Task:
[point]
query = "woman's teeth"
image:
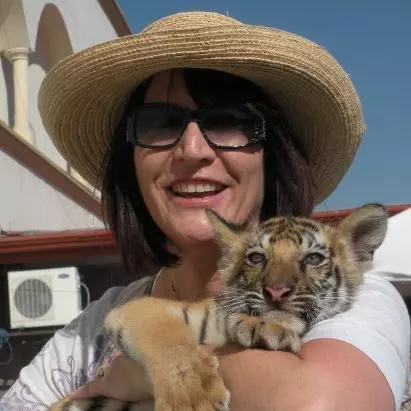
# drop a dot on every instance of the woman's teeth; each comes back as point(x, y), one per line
point(196, 188)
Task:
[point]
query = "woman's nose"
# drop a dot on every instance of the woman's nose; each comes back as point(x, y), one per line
point(193, 146)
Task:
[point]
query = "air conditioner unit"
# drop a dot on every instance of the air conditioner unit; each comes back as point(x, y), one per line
point(43, 298)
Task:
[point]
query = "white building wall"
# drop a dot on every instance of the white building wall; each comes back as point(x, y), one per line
point(41, 139)
point(85, 24)
point(85, 20)
point(52, 30)
point(28, 203)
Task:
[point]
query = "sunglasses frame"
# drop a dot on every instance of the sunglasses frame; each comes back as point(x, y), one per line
point(259, 134)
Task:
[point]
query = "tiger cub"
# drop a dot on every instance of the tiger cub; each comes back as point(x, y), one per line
point(280, 279)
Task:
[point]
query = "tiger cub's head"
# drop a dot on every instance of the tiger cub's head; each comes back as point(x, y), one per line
point(297, 264)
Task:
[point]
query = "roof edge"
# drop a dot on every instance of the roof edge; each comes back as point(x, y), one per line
point(17, 248)
point(59, 246)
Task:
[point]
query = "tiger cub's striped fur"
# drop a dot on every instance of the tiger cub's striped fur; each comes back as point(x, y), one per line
point(280, 278)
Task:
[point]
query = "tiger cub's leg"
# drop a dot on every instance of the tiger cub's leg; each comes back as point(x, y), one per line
point(273, 331)
point(157, 333)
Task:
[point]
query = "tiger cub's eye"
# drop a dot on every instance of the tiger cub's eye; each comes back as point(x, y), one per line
point(314, 259)
point(256, 258)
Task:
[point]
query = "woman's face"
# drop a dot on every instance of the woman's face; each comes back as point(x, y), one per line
point(230, 182)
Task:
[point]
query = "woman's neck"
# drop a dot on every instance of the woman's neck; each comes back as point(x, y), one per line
point(194, 277)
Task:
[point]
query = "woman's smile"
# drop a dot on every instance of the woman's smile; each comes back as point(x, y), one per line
point(196, 193)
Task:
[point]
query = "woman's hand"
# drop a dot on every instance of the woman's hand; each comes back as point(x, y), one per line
point(126, 380)
point(123, 379)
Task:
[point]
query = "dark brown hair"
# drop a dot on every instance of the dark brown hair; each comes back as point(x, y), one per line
point(288, 182)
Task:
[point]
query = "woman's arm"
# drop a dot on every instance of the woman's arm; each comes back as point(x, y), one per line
point(330, 376)
point(261, 380)
point(356, 361)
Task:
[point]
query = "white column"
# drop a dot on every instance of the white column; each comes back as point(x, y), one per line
point(19, 58)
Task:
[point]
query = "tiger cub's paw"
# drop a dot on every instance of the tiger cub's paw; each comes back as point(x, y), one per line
point(257, 332)
point(191, 384)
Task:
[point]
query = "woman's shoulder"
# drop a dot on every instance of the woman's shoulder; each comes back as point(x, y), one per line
point(378, 324)
point(88, 327)
point(88, 330)
point(119, 295)
point(379, 309)
point(91, 320)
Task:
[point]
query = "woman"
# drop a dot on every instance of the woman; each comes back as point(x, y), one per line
point(265, 123)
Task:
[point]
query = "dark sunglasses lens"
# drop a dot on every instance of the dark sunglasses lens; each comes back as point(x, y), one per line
point(158, 126)
point(230, 126)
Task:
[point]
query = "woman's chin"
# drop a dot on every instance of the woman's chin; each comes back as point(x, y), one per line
point(194, 237)
point(193, 232)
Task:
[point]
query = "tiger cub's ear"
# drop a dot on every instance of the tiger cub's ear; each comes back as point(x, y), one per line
point(365, 229)
point(226, 233)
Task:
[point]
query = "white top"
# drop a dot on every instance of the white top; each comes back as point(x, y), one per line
point(377, 324)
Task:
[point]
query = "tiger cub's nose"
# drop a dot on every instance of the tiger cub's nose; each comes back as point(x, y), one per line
point(276, 291)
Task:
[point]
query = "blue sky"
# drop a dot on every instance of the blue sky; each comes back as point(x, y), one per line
point(372, 41)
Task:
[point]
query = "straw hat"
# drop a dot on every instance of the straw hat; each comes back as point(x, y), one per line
point(82, 98)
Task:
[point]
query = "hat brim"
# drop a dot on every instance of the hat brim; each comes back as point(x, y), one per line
point(82, 98)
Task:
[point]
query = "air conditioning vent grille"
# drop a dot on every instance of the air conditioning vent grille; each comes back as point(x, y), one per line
point(33, 298)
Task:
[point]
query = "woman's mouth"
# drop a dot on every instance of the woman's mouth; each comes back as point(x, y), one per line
point(197, 194)
point(196, 190)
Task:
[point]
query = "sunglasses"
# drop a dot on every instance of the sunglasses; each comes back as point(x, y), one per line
point(161, 125)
